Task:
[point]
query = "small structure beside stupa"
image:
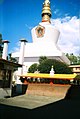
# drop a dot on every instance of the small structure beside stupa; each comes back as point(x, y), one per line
point(7, 69)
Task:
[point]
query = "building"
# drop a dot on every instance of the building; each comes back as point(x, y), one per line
point(7, 69)
point(75, 69)
point(44, 37)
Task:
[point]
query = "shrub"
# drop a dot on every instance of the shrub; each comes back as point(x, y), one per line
point(33, 68)
point(59, 67)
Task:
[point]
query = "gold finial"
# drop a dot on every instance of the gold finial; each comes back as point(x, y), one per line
point(47, 1)
point(46, 11)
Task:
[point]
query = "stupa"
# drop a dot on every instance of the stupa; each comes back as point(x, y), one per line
point(44, 42)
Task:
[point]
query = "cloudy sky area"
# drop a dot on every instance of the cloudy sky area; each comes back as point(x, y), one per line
point(69, 40)
point(18, 17)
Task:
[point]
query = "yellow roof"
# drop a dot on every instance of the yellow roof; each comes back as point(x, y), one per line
point(55, 76)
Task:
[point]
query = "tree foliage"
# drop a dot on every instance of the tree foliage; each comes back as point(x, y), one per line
point(0, 38)
point(59, 67)
point(45, 67)
point(10, 58)
point(1, 47)
point(33, 68)
point(42, 58)
point(73, 59)
point(78, 59)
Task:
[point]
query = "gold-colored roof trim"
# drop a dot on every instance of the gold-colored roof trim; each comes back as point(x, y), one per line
point(46, 11)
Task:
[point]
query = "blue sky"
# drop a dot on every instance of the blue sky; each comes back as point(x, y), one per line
point(18, 17)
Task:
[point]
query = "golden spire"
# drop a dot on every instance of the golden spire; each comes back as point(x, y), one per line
point(46, 11)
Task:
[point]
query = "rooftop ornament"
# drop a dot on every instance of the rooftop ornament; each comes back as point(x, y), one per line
point(52, 71)
point(46, 11)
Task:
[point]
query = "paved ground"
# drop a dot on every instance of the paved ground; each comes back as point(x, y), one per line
point(42, 107)
point(29, 101)
point(37, 95)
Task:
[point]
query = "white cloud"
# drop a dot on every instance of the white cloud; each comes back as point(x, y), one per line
point(69, 28)
point(17, 48)
point(56, 11)
point(29, 27)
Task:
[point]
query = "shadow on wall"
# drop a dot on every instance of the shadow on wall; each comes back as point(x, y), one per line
point(73, 92)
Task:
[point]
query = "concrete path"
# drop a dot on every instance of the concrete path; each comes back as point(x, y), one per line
point(42, 107)
point(29, 101)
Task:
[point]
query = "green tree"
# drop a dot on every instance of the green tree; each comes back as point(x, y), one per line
point(78, 59)
point(0, 38)
point(59, 67)
point(73, 59)
point(33, 68)
point(42, 58)
point(1, 47)
point(10, 58)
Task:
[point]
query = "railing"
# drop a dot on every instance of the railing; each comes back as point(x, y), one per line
point(47, 78)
